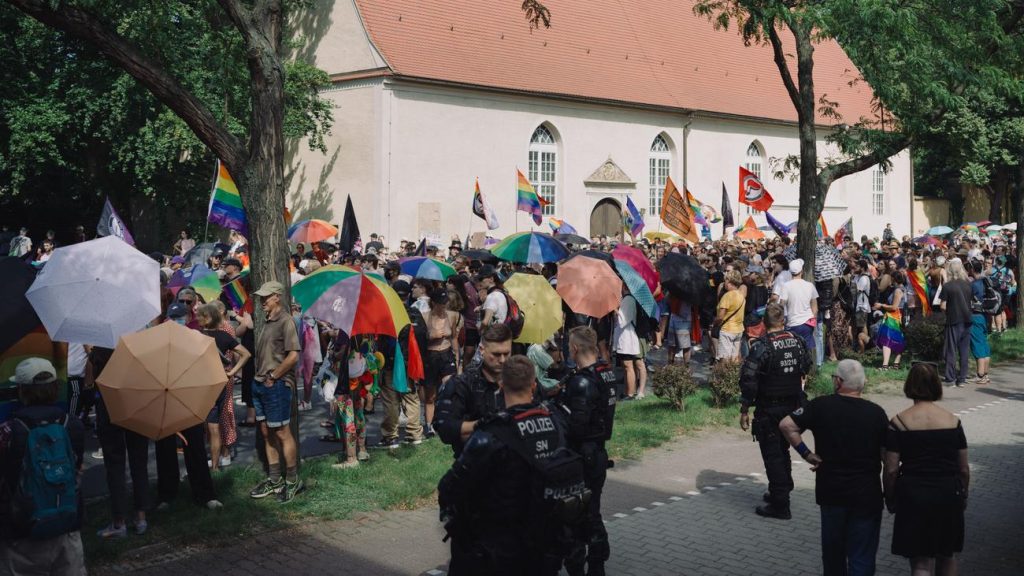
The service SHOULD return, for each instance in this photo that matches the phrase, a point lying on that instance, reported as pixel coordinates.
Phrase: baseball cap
(177, 260)
(34, 371)
(796, 266)
(177, 310)
(270, 287)
(401, 287)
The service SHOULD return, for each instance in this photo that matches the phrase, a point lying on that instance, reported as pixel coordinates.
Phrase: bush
(674, 383)
(725, 382)
(926, 336)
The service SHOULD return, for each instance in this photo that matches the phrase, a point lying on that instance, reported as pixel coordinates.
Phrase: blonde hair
(734, 277)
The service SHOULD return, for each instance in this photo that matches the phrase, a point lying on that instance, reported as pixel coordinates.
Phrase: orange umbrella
(162, 380)
(589, 286)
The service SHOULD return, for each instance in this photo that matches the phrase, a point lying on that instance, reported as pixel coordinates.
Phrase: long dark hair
(459, 281)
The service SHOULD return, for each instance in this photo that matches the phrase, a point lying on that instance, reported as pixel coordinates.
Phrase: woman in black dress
(926, 477)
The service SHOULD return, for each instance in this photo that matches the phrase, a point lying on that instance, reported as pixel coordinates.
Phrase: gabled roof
(649, 52)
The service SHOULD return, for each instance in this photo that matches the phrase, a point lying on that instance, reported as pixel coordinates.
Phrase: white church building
(602, 106)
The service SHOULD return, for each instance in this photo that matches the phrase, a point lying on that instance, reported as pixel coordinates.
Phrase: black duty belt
(778, 401)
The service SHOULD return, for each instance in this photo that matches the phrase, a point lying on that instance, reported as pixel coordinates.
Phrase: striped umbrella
(637, 287)
(307, 231)
(426, 268)
(354, 302)
(530, 248)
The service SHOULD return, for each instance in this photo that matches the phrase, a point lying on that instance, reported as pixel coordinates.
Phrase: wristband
(803, 450)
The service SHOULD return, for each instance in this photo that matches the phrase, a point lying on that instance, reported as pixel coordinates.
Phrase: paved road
(686, 508)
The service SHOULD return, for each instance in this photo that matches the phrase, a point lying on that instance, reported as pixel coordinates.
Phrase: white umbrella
(96, 291)
(1011, 226)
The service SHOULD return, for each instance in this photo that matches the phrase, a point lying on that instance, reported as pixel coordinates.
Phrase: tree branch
(148, 72)
(834, 172)
(780, 62)
(240, 16)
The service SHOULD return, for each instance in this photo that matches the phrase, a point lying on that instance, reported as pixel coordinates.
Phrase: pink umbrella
(639, 262)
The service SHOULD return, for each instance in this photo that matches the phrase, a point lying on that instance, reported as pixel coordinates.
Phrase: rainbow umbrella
(970, 228)
(637, 288)
(530, 248)
(426, 268)
(639, 262)
(307, 231)
(354, 302)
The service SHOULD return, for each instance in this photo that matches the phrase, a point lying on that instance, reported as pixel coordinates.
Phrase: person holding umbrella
(277, 353)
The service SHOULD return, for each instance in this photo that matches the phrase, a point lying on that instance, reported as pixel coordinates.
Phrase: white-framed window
(754, 161)
(543, 168)
(660, 165)
(877, 192)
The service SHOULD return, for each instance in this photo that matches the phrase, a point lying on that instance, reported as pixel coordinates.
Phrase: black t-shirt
(957, 296)
(225, 343)
(849, 434)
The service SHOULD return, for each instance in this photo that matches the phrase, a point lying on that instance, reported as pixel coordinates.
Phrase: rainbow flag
(529, 201)
(237, 295)
(820, 228)
(560, 226)
(919, 283)
(226, 204)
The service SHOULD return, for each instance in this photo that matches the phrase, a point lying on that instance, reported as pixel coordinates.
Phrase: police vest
(784, 373)
(604, 415)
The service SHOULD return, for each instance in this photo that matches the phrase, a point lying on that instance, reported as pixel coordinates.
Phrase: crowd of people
(513, 413)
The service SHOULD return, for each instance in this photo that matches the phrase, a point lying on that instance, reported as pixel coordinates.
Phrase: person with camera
(772, 380)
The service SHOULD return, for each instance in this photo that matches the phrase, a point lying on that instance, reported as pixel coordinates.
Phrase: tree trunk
(812, 199)
(997, 194)
(1018, 201)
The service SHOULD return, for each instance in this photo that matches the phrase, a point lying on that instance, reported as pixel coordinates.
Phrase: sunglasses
(187, 302)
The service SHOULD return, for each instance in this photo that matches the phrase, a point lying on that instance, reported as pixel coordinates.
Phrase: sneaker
(305, 406)
(363, 456)
(960, 384)
(413, 441)
(985, 380)
(225, 460)
(387, 444)
(289, 491)
(98, 454)
(266, 488)
(111, 531)
(163, 507)
(428, 431)
(140, 527)
(345, 465)
(214, 504)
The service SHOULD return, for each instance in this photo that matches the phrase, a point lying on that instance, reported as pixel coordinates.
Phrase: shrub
(926, 336)
(725, 382)
(674, 383)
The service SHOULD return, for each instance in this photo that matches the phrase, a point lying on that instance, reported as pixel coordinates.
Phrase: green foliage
(725, 382)
(674, 383)
(926, 336)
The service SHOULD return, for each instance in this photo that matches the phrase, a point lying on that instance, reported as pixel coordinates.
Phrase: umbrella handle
(183, 440)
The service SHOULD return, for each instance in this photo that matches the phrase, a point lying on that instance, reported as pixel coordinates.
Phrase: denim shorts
(214, 416)
(273, 403)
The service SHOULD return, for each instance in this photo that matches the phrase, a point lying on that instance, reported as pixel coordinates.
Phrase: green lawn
(407, 477)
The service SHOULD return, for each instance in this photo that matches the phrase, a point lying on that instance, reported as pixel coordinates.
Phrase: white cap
(796, 266)
(32, 371)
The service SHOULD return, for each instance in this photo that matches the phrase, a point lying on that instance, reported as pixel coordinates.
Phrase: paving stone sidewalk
(686, 508)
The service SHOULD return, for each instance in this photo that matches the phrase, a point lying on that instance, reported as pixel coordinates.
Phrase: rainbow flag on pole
(820, 228)
(528, 199)
(237, 295)
(919, 283)
(226, 204)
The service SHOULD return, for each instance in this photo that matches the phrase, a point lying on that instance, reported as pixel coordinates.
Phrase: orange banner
(677, 214)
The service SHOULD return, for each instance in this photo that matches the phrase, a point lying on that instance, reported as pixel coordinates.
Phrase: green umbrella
(531, 248)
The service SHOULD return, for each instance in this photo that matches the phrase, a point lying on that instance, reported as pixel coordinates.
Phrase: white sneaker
(98, 454)
(305, 406)
(225, 460)
(214, 505)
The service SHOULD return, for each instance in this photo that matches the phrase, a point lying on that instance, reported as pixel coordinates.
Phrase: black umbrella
(484, 256)
(574, 239)
(17, 317)
(606, 256)
(683, 277)
(202, 252)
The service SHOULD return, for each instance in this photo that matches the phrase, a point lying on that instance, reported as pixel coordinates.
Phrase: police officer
(509, 501)
(466, 398)
(589, 399)
(772, 380)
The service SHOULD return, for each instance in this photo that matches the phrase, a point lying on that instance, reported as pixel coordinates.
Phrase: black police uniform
(589, 399)
(771, 380)
(490, 502)
(465, 397)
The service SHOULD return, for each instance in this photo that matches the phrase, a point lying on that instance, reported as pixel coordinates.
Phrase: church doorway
(606, 219)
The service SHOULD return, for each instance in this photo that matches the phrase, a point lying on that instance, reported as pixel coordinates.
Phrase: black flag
(727, 220)
(349, 229)
(110, 224)
(421, 250)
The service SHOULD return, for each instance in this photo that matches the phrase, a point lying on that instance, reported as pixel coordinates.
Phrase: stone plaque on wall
(429, 220)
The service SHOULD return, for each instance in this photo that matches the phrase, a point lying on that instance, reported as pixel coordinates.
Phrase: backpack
(515, 318)
(644, 325)
(559, 492)
(1001, 279)
(44, 503)
(992, 302)
(872, 292)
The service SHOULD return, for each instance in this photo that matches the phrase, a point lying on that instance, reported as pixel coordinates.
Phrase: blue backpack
(45, 499)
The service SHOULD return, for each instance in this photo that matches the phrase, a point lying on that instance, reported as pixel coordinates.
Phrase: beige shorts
(729, 345)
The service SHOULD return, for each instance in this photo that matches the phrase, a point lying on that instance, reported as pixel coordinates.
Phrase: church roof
(648, 52)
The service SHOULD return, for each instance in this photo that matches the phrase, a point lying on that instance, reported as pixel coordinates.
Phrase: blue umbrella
(939, 230)
(637, 287)
(530, 248)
